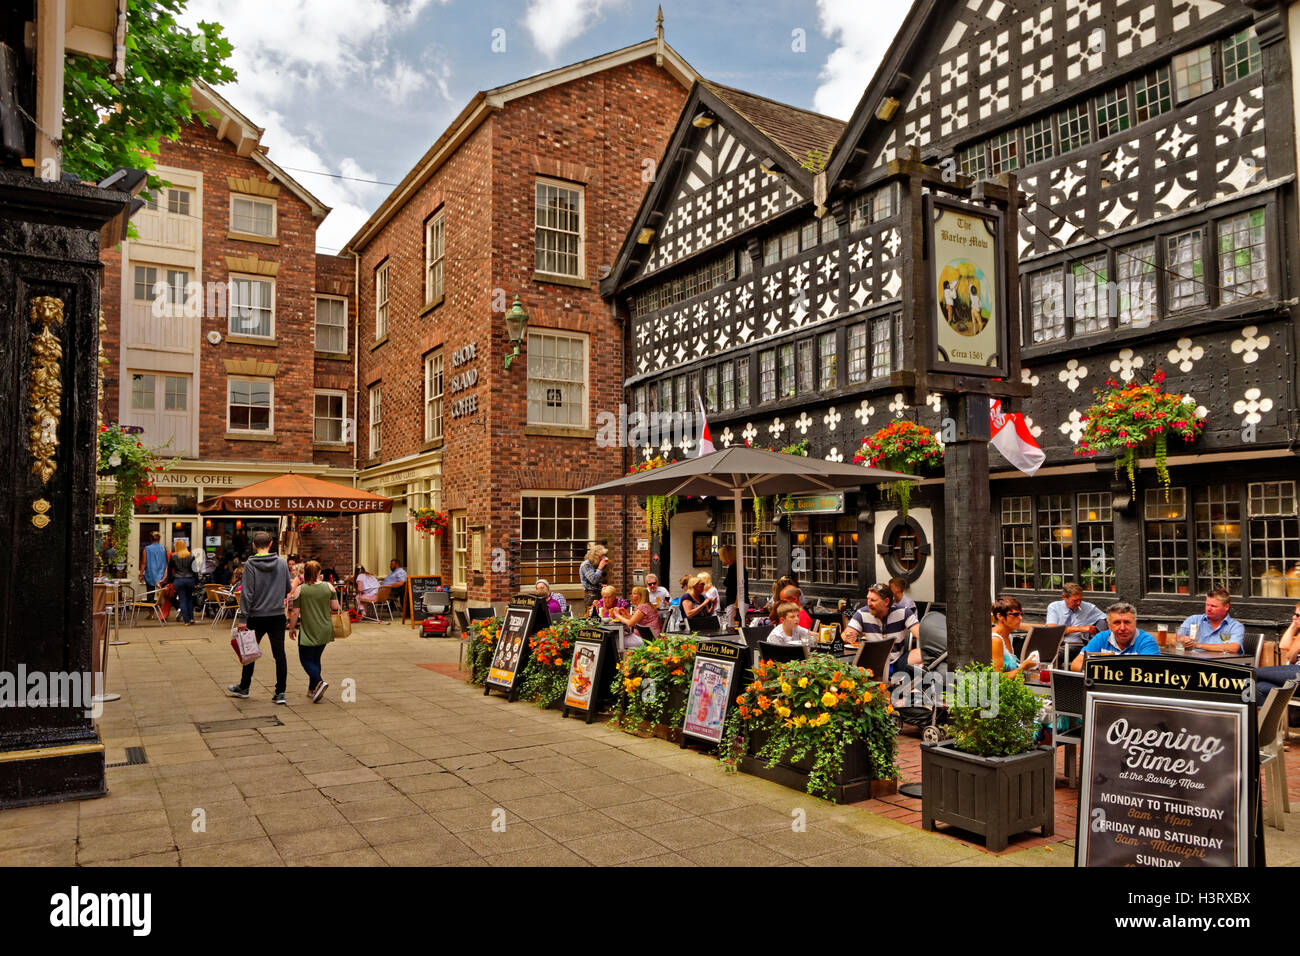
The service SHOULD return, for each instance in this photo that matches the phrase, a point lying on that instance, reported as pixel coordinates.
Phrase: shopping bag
(342, 622)
(245, 644)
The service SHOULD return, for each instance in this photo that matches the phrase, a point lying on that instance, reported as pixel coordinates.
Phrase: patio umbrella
(298, 495)
(743, 472)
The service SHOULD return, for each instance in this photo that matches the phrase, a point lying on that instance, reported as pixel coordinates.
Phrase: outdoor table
(117, 584)
(1203, 655)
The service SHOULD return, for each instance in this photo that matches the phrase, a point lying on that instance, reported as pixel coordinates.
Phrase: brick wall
(596, 131)
(294, 254)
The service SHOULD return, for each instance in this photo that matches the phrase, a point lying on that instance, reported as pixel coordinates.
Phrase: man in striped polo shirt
(881, 618)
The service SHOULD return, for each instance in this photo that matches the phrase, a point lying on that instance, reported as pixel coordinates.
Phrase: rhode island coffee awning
(298, 495)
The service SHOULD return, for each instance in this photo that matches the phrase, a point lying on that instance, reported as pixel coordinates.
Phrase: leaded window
(1243, 256)
(1194, 73)
(1017, 529)
(858, 352)
(1185, 264)
(829, 361)
(1153, 94)
(1241, 55)
(1046, 308)
(1038, 140)
(1072, 127)
(1111, 109)
(1091, 306)
(1166, 540)
(1136, 274)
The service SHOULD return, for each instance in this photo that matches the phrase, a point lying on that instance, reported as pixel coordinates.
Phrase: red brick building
(228, 338)
(527, 194)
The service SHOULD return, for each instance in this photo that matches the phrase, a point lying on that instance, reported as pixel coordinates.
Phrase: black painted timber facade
(1153, 145)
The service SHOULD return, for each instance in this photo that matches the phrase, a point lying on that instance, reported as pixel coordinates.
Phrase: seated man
(397, 581)
(1124, 636)
(792, 595)
(1216, 629)
(881, 618)
(1078, 616)
(555, 602)
(789, 631)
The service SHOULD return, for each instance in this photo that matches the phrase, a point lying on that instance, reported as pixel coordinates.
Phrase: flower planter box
(996, 797)
(855, 781)
(676, 699)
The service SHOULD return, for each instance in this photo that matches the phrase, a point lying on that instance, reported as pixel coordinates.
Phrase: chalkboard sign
(526, 614)
(417, 585)
(1170, 764)
(590, 671)
(713, 687)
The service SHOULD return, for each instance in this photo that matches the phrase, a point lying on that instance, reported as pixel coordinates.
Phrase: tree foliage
(107, 125)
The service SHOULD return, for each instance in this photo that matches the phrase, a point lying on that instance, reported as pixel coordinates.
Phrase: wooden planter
(676, 698)
(996, 797)
(855, 781)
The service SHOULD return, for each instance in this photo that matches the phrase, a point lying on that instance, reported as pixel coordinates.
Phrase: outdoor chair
(229, 605)
(1045, 640)
(462, 621)
(874, 656)
(1253, 645)
(922, 701)
(151, 603)
(211, 599)
(1272, 753)
(120, 601)
(1068, 702)
(921, 608)
(381, 599)
(480, 614)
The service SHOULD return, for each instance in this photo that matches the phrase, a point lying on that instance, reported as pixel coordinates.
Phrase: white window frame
(581, 381)
(581, 190)
(150, 287)
(316, 325)
(256, 200)
(230, 322)
(381, 300)
(459, 548)
(185, 381)
(559, 495)
(270, 429)
(433, 403)
(151, 391)
(434, 265)
(177, 193)
(375, 403)
(342, 420)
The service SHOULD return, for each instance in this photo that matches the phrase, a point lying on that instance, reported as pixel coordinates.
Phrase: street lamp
(516, 324)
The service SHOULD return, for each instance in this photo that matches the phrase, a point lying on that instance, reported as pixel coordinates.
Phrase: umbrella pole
(742, 600)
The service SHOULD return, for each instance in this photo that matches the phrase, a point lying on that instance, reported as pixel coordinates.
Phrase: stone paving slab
(423, 770)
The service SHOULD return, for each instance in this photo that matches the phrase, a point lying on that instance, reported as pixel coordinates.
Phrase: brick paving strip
(417, 770)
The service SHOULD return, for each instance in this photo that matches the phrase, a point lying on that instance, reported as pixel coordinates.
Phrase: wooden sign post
(526, 614)
(1170, 765)
(961, 317)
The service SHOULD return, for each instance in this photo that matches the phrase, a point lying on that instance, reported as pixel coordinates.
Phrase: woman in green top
(312, 602)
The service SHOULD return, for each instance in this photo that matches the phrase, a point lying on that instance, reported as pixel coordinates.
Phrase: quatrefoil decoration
(1186, 354)
(776, 428)
(1252, 406)
(935, 401)
(749, 433)
(831, 418)
(1073, 373)
(803, 423)
(1250, 344)
(898, 405)
(1028, 376)
(864, 412)
(1074, 426)
(1127, 364)
(835, 455)
(727, 437)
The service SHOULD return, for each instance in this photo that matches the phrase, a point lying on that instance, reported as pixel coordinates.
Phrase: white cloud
(864, 37)
(554, 23)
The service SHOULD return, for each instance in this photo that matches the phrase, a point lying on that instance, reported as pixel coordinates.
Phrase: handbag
(342, 623)
(245, 643)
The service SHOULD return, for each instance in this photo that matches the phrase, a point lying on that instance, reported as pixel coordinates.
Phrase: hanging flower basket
(430, 521)
(133, 469)
(308, 522)
(659, 509)
(1127, 419)
(902, 446)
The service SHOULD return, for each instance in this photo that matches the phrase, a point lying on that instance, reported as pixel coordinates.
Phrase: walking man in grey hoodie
(261, 602)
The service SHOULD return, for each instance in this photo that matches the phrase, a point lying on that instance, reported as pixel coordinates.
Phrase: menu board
(581, 691)
(711, 689)
(1167, 776)
(417, 585)
(525, 615)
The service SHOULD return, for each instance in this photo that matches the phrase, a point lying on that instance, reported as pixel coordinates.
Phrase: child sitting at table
(789, 631)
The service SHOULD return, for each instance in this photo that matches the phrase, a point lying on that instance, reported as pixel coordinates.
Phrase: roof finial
(659, 36)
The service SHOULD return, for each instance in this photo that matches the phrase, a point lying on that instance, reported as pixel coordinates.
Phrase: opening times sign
(1170, 764)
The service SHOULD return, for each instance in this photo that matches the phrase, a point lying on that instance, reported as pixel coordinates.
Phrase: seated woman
(774, 605)
(1268, 679)
(695, 606)
(367, 586)
(711, 596)
(1006, 618)
(789, 631)
(609, 601)
(641, 612)
(555, 602)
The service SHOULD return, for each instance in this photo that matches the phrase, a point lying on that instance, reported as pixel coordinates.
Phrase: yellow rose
(829, 699)
(803, 682)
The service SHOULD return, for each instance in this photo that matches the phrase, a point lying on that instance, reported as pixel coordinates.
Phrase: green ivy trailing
(647, 678)
(483, 641)
(546, 673)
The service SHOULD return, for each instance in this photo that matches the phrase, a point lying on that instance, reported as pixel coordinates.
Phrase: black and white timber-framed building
(1153, 141)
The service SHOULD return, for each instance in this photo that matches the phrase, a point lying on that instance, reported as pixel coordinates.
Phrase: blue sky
(361, 88)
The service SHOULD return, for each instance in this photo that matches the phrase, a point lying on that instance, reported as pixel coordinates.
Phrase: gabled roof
(798, 132)
(486, 102)
(232, 125)
(783, 133)
(887, 81)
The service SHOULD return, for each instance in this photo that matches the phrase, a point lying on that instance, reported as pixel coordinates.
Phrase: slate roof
(795, 130)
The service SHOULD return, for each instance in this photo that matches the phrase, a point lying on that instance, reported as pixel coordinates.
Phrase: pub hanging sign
(967, 289)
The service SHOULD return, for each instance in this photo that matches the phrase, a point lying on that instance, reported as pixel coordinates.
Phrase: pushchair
(918, 696)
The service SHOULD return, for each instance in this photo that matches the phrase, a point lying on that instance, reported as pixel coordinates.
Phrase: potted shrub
(815, 724)
(903, 446)
(650, 686)
(483, 641)
(1025, 573)
(1180, 581)
(989, 777)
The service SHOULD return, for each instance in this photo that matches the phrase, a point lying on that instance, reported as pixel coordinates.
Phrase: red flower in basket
(430, 521)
